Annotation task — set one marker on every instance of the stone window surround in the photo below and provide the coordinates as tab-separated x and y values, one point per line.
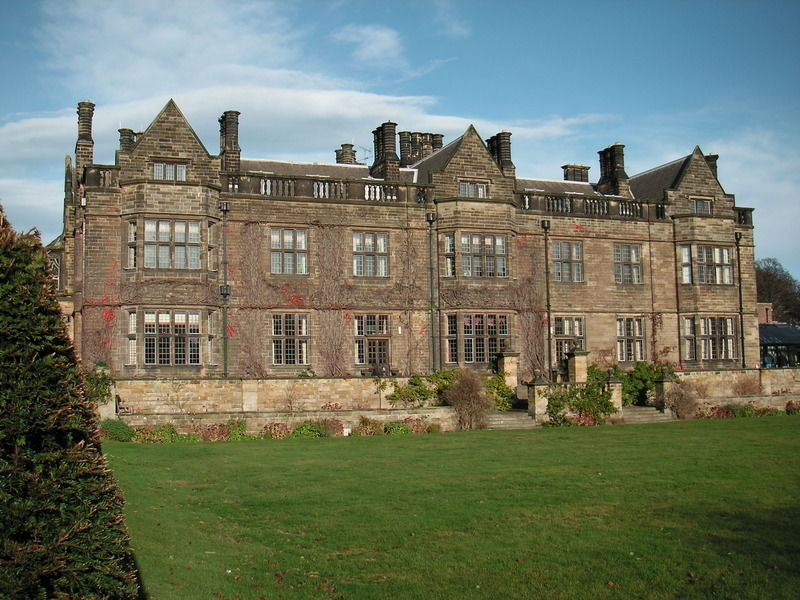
370	332
631	338
486	259
628	264
475	338
289	339
141	328
714	336
370	253
569	332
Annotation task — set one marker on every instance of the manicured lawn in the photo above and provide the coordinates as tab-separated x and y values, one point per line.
705	509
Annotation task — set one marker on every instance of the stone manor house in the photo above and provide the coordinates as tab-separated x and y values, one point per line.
178	263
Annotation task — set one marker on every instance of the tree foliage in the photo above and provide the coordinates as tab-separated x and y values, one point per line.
60	511
776	285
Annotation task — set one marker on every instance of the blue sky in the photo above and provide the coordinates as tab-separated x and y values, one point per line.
660	77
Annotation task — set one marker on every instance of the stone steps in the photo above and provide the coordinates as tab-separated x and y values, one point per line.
645	414
512	419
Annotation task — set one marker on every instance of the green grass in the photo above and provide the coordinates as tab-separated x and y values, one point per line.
704	509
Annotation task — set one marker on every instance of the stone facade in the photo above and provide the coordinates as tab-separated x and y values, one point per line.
176	264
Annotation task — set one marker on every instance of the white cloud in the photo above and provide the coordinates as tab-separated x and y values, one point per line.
30	203
450	22
374	46
121	49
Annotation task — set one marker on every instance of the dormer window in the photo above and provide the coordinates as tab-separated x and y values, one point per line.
700	206
473	189
163	171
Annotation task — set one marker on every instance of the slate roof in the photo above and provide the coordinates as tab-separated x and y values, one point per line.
556	187
435	162
298	169
650	185
772	334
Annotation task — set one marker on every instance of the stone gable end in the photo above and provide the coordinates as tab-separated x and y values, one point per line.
697	179
170	138
472	161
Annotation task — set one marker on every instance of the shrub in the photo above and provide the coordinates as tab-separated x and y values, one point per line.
413	393
332	427
367	426
276	431
63	534
639	385
98	386
216	432
441	380
468	397
308	429
396	428
589	404
331	406
792	407
682	398
416	424
433	428
118	431
501	395
163	434
237	430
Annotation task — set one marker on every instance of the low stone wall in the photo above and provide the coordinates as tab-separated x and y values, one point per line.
199	396
745	382
776	402
443	416
780	381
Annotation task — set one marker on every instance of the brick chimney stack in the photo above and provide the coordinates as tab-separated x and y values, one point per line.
387	163
499	147
437	140
613	178
711	159
405	148
346	155
127	139
84	147
576	173
229	149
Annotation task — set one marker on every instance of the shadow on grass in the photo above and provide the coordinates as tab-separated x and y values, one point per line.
142	595
761	546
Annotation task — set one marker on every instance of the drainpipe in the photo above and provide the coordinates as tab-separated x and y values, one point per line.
224	289
430	217
738	238
546	228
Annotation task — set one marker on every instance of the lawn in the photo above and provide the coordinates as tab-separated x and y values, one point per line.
704	509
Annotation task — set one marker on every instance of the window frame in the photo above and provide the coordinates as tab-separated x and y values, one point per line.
569	332
701	205
714	265
171	337
370	261
289	254
472	338
473	189
711	338
170	171
631	339
371	329
169	244
628	264
289	337
573	262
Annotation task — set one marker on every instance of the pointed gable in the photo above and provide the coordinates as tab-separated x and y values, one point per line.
465	159
696	176
170	139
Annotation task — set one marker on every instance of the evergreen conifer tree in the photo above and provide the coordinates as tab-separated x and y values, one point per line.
62	534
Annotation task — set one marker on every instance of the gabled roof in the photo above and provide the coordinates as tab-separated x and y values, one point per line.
437	161
171	107
650	185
